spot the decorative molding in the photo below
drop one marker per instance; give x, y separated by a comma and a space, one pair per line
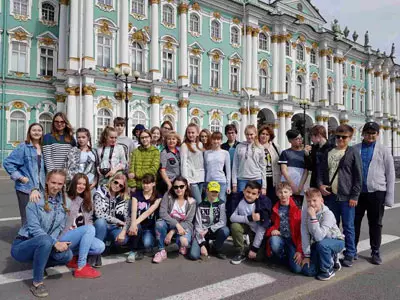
377, 74
155, 99
122, 95
243, 111
154, 1
64, 2
89, 90
183, 103
254, 110
183, 8
169, 110
72, 90
60, 98
104, 103
265, 29
217, 15
314, 45
104, 28
47, 41
236, 21
255, 31
385, 76
18, 105
196, 6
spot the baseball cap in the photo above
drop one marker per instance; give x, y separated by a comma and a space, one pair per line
214, 186
371, 126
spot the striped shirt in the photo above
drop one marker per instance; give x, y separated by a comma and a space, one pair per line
55, 151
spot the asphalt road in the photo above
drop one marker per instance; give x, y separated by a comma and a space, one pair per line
213, 279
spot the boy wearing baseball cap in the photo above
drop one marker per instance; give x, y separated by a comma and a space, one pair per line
210, 224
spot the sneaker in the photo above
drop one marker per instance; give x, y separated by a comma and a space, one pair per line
73, 263
237, 260
97, 262
39, 291
347, 261
326, 275
45, 274
160, 256
355, 257
86, 272
131, 257
183, 250
337, 266
376, 258
220, 255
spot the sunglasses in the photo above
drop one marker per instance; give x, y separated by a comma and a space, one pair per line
121, 186
179, 187
343, 137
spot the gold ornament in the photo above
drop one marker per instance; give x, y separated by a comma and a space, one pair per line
196, 6
104, 103
183, 103
155, 99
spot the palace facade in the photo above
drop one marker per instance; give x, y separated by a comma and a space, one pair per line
211, 62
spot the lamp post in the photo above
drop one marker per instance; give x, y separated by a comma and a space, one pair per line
304, 104
123, 76
392, 120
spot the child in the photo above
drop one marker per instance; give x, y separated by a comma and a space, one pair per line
284, 235
321, 238
210, 224
251, 216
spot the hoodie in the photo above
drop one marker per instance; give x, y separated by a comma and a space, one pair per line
112, 209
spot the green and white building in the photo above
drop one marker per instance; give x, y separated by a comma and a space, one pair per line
211, 62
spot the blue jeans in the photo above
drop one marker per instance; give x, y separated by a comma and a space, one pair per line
285, 250
322, 254
83, 243
40, 251
108, 232
145, 236
222, 193
344, 212
162, 229
196, 189
219, 236
241, 184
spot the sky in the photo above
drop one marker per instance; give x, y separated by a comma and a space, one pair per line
380, 17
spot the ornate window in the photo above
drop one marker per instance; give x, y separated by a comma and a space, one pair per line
196, 121
362, 74
300, 52
45, 120
46, 61
287, 84
194, 25
263, 80
168, 63
104, 118
313, 91
299, 87
215, 126
137, 57
235, 35
353, 71
263, 42
19, 58
139, 117
344, 97
215, 73
104, 51
329, 62
48, 12
105, 2
17, 126
361, 103
287, 49
21, 8
138, 7
168, 15
344, 67
313, 57
235, 71
215, 120
353, 100
194, 70
330, 94
215, 30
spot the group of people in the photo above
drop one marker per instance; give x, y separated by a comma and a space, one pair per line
77, 201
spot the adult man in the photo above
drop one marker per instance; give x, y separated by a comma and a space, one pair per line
377, 187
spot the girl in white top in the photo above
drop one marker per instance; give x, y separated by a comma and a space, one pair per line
192, 162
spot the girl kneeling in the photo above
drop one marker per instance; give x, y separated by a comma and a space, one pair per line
177, 211
79, 229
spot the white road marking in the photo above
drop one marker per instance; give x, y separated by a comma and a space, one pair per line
10, 219
386, 238
225, 288
394, 206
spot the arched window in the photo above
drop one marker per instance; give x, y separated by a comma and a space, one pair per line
103, 119
263, 42
313, 57
138, 7
17, 126
215, 29
48, 12
45, 120
353, 100
168, 14
235, 36
104, 51
299, 87
137, 57
313, 90
330, 97
235, 71
215, 73
138, 117
300, 52
329, 62
168, 65
194, 23
263, 82
287, 48
215, 126
20, 7
353, 71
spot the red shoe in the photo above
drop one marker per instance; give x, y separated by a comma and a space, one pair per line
86, 272
73, 263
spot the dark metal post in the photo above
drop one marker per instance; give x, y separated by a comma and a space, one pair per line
304, 105
126, 105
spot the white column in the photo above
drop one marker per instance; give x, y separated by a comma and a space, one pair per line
393, 103
324, 77
183, 49
155, 110
254, 67
378, 94
275, 64
325, 123
88, 107
123, 58
183, 115
62, 38
386, 94
320, 120
282, 61
398, 101
370, 100
293, 76
154, 44
342, 101
253, 115
73, 35
249, 56
282, 130
88, 54
387, 136
243, 123
72, 115
288, 125
307, 76
338, 91
60, 99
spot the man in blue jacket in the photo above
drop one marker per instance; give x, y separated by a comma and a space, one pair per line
377, 187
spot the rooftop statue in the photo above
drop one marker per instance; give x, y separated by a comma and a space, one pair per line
393, 51
335, 26
346, 32
366, 42
355, 36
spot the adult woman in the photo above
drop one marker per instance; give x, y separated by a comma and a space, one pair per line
156, 138
192, 162
170, 160
166, 127
111, 155
110, 209
273, 171
57, 144
205, 138
37, 239
79, 229
218, 166
248, 162
145, 159
177, 211
83, 159
141, 218
26, 167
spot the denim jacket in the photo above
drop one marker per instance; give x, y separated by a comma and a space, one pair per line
40, 222
23, 162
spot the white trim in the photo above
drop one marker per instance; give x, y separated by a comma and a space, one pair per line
174, 13
53, 47
221, 28
193, 33
174, 47
145, 54
27, 42
104, 7
268, 42
113, 29
235, 45
56, 12
140, 16
18, 16
8, 119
